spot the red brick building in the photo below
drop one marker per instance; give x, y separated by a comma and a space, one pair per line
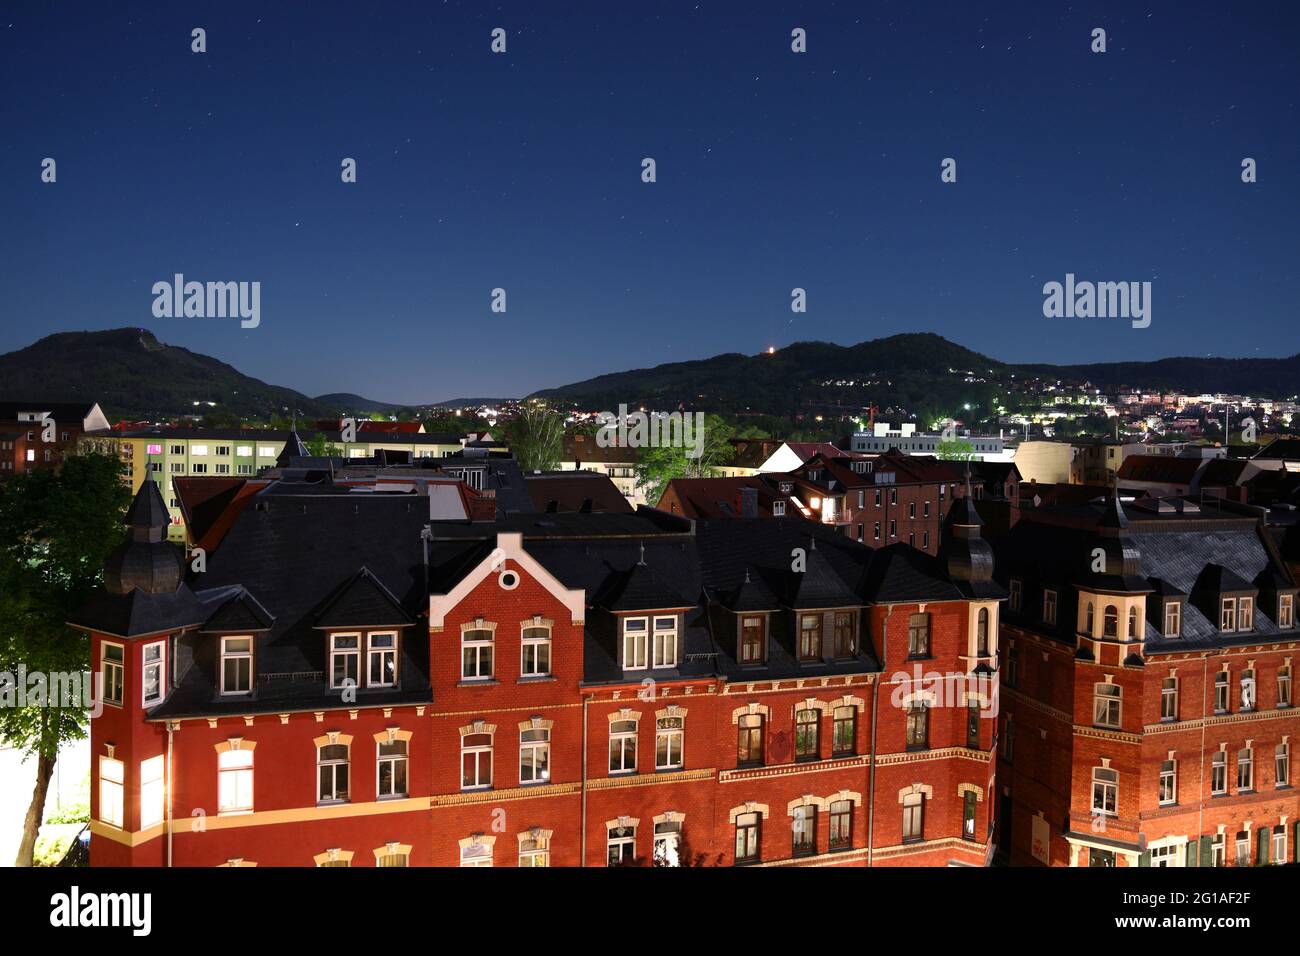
1148, 711
348, 683
39, 434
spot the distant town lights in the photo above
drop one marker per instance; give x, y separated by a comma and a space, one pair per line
771, 350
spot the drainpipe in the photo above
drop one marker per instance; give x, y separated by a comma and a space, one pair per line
875, 723
1200, 803
585, 702
171, 777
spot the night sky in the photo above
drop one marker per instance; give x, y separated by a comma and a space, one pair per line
523, 171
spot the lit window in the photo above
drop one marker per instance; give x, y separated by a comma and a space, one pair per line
235, 781
982, 632
1246, 614
1286, 610
918, 726
1111, 621
846, 634
1248, 689
1228, 615
810, 637
112, 779
393, 855
752, 643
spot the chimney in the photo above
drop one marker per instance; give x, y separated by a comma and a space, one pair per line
749, 502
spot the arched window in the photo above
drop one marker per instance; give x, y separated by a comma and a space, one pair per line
476, 761
622, 746
918, 730
982, 633
807, 724
1090, 616
1133, 623
1111, 621
476, 653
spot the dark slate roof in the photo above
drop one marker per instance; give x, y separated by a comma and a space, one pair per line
147, 509
59, 411
236, 612
1178, 554
820, 586
294, 555
138, 613
901, 574
362, 601
750, 595
639, 589
575, 491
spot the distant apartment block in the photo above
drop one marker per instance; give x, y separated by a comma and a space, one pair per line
909, 441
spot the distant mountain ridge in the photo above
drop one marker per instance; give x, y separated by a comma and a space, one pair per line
134, 376
910, 370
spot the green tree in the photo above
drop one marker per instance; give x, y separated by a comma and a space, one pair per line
656, 466
536, 437
954, 450
318, 446
56, 529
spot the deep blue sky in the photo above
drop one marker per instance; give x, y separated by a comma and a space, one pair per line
522, 170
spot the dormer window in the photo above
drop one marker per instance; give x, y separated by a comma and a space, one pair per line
1228, 615
635, 643
1286, 610
236, 665
665, 641
1049, 607
753, 639
345, 660
382, 660
1017, 592
1173, 618
810, 637
778, 509
1245, 614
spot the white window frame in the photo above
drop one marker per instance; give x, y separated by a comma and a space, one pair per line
636, 644
112, 674
673, 730
1219, 768
323, 800
1286, 610
625, 839
477, 646
380, 655
394, 761
1173, 618
1049, 606
476, 855
1101, 715
112, 792
1228, 615
1108, 781
540, 744
1169, 699
665, 642
1284, 686
345, 652
1245, 614
1282, 764
478, 750
235, 781
236, 656
1249, 687
778, 509
1169, 774
1246, 770
535, 644
535, 852
622, 738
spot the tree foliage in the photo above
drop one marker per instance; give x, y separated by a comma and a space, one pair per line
656, 466
535, 435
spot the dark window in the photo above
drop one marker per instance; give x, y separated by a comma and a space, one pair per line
968, 816
807, 724
804, 831
841, 822
845, 731
747, 833
846, 634
918, 731
918, 635
751, 640
810, 637
749, 749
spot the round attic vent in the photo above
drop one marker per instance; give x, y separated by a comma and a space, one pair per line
509, 580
